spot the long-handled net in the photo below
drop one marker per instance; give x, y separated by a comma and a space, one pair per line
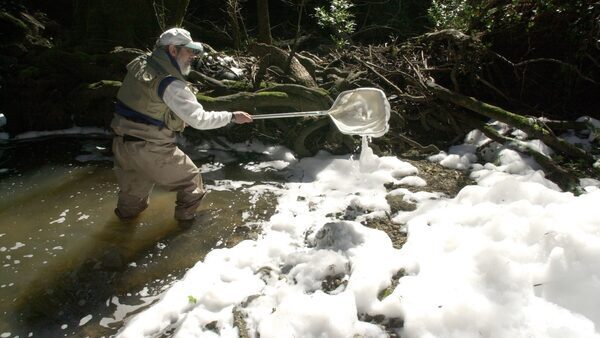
361, 111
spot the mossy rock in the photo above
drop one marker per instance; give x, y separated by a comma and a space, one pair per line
93, 104
30, 72
74, 65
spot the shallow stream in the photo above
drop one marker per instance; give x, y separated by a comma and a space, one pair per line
70, 268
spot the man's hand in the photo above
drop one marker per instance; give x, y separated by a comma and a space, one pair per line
240, 117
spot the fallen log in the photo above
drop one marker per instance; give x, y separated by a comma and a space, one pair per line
531, 126
554, 172
282, 97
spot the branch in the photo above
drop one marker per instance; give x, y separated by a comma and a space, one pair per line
562, 63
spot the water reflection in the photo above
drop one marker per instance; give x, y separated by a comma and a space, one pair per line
71, 268
74, 287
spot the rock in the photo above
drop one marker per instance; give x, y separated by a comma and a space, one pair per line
93, 104
397, 203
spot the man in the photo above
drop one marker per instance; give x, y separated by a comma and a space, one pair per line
153, 104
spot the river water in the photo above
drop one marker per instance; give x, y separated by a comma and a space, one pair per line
70, 268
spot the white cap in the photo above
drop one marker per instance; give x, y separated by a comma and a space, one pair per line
178, 37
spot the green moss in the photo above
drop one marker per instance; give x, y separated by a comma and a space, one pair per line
84, 57
30, 72
239, 86
204, 98
272, 94
104, 83
385, 292
265, 85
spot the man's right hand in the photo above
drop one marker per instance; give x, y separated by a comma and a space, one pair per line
240, 117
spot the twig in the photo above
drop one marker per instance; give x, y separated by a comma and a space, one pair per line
492, 87
390, 83
428, 149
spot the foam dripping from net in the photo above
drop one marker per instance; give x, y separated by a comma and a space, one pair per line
368, 162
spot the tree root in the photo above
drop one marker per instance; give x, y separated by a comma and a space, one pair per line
273, 56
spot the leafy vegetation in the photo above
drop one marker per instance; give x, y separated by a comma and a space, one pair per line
339, 19
489, 16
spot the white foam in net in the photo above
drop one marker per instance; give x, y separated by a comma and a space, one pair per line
362, 111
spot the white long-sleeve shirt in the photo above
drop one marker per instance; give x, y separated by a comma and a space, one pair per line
180, 99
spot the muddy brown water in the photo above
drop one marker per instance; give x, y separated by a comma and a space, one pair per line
70, 268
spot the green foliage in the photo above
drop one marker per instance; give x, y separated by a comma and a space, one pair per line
454, 14
338, 19
192, 299
558, 29
487, 16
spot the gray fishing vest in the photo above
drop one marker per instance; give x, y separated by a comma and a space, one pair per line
139, 90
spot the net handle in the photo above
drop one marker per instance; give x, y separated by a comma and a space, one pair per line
294, 114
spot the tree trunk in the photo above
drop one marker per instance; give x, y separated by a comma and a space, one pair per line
264, 22
233, 13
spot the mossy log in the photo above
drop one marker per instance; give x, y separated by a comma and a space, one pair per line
530, 126
565, 179
282, 97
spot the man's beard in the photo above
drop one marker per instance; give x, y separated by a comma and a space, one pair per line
184, 67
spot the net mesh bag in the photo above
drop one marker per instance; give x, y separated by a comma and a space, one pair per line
362, 111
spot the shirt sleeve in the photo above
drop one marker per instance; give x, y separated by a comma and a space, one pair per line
180, 99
